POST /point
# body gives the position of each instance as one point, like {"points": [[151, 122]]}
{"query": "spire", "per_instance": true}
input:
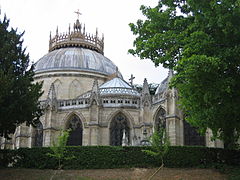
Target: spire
{"points": [[69, 29], [146, 97], [52, 98], [57, 31], [84, 29], [145, 89], [52, 93], [170, 74], [95, 93], [102, 37], [50, 36], [96, 32], [95, 86]]}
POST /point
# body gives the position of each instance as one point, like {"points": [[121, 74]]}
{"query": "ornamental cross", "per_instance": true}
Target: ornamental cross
{"points": [[131, 79], [78, 13]]}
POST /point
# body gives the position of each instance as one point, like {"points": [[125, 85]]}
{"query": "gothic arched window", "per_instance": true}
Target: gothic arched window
{"points": [[118, 129], [38, 140], [160, 120], [75, 135], [74, 89], [191, 136], [57, 84]]}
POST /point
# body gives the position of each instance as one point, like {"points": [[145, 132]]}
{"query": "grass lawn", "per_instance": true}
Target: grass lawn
{"points": [[111, 174]]}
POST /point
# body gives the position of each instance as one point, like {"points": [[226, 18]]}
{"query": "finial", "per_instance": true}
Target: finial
{"points": [[145, 89], [102, 37], [50, 36], [84, 29], [96, 32], [69, 29], [78, 13], [57, 31]]}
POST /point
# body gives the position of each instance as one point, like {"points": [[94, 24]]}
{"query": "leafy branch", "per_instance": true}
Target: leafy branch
{"points": [[59, 148], [159, 147]]}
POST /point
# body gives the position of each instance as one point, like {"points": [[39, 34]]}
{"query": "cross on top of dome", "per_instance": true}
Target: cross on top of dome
{"points": [[78, 13]]}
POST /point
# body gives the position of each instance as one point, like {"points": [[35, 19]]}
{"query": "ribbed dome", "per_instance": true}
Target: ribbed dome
{"points": [[116, 83], [75, 58], [117, 86]]}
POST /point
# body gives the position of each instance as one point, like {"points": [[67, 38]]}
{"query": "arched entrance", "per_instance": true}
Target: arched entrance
{"points": [[160, 119], [38, 138], [75, 135], [119, 128]]}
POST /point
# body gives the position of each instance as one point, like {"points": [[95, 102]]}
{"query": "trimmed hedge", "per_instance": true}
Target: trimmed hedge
{"points": [[96, 157]]}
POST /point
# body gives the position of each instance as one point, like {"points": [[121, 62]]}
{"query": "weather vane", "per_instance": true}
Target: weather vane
{"points": [[78, 13]]}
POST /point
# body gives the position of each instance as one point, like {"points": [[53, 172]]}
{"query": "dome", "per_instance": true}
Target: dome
{"points": [[75, 58], [116, 83], [162, 87], [117, 86]]}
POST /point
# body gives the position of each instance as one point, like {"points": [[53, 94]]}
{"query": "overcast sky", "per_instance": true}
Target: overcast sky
{"points": [[38, 17]]}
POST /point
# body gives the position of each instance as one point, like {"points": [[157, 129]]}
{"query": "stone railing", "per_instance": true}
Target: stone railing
{"points": [[106, 102], [120, 102], [81, 103]]}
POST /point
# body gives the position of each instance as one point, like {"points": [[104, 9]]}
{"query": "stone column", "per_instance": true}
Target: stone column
{"points": [[86, 136], [174, 119], [21, 136], [94, 134]]}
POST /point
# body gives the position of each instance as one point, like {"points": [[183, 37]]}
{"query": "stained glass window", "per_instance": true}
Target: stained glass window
{"points": [[118, 124], [75, 135], [160, 120], [38, 142]]}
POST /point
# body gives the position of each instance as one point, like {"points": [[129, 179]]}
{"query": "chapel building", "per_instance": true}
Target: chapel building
{"points": [[84, 91]]}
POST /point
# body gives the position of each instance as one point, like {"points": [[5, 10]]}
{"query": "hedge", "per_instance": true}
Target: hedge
{"points": [[96, 157]]}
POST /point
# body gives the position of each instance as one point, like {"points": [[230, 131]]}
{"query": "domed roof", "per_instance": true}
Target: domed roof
{"points": [[75, 58], [117, 86], [162, 87], [115, 83]]}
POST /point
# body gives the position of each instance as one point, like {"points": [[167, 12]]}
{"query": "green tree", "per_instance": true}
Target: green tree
{"points": [[59, 148], [18, 94], [159, 147], [200, 40]]}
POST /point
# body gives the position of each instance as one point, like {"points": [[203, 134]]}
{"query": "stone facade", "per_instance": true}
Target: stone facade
{"points": [[84, 91]]}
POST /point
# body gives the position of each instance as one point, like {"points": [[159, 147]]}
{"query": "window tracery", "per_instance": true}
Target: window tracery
{"points": [[119, 125], [75, 135], [38, 141]]}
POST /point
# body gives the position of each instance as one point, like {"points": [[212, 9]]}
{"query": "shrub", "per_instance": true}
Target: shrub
{"points": [[96, 157]]}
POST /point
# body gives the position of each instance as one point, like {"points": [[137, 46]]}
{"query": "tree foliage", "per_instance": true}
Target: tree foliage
{"points": [[18, 94], [159, 146], [59, 149], [200, 40]]}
